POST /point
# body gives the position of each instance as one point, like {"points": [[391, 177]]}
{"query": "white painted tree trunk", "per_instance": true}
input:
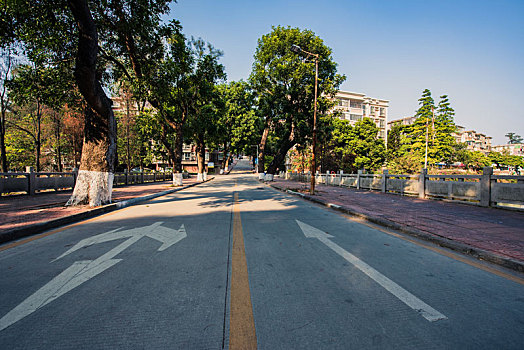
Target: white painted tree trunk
{"points": [[178, 179], [204, 176], [94, 187]]}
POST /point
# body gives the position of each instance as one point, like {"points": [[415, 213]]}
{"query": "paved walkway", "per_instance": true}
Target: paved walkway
{"points": [[21, 211], [496, 231]]}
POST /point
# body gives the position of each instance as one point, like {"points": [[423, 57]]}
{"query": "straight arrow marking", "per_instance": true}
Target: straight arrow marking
{"points": [[403, 295]]}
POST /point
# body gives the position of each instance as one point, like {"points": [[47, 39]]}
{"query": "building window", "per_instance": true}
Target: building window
{"points": [[355, 104], [355, 117]]}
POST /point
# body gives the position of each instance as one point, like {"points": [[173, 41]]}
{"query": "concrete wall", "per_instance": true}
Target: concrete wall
{"points": [[32, 183], [484, 190]]}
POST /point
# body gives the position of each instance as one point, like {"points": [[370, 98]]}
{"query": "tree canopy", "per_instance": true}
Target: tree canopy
{"points": [[285, 82]]}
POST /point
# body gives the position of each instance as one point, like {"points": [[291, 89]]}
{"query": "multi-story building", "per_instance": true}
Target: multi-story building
{"points": [[402, 121], [459, 131], [513, 149], [476, 141], [355, 106]]}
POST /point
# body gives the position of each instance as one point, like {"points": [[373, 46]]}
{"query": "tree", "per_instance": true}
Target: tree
{"points": [[358, 147], [394, 141], [207, 105], [38, 91], [472, 159], [55, 33], [7, 51], [239, 126], [284, 83], [444, 127], [513, 138], [434, 126]]}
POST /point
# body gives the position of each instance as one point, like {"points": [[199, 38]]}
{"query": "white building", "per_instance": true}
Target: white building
{"points": [[513, 149], [354, 106]]}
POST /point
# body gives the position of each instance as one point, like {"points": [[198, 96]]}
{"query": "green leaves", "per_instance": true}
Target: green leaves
{"points": [[284, 82], [357, 147], [434, 123]]}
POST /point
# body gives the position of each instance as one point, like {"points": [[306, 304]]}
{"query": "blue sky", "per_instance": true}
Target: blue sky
{"points": [[471, 50]]}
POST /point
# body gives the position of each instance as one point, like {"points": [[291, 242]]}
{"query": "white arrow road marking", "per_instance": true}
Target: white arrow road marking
{"points": [[403, 295], [82, 271]]}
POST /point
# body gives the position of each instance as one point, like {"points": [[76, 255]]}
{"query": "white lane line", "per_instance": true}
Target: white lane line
{"points": [[403, 295]]}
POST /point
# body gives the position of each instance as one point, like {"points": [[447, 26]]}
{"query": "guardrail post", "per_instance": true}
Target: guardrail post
{"points": [[422, 183], [142, 177], [31, 179], [385, 173], [360, 172], [485, 186]]}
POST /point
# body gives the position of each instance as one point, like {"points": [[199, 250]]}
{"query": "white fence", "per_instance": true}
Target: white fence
{"points": [[484, 190]]}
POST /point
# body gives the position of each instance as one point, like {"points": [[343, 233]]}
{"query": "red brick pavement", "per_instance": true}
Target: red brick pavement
{"points": [[23, 210], [493, 230]]}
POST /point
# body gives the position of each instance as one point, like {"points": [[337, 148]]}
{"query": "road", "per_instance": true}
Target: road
{"points": [[235, 264]]}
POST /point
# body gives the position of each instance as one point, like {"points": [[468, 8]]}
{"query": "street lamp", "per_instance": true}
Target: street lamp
{"points": [[297, 49]]}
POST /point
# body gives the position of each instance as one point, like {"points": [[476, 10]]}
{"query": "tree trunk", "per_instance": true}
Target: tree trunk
{"points": [[179, 145], [3, 107], [95, 178], [38, 136], [3, 154], [201, 157], [285, 146], [225, 158], [128, 142], [261, 147], [58, 135]]}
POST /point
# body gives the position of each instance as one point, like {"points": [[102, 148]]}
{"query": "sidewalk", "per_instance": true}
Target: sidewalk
{"points": [[25, 215], [491, 234]]}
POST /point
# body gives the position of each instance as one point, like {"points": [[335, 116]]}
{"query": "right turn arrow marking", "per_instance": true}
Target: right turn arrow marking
{"points": [[403, 295]]}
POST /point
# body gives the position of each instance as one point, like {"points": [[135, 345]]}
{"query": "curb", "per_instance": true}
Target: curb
{"points": [[436, 239], [34, 229]]}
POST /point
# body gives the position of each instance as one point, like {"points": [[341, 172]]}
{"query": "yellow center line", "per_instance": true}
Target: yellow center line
{"points": [[242, 333]]}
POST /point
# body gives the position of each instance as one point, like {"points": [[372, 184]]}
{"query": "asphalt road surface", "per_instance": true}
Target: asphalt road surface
{"points": [[235, 264]]}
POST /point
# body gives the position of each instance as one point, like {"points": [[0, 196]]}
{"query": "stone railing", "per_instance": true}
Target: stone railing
{"points": [[484, 190], [32, 182]]}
